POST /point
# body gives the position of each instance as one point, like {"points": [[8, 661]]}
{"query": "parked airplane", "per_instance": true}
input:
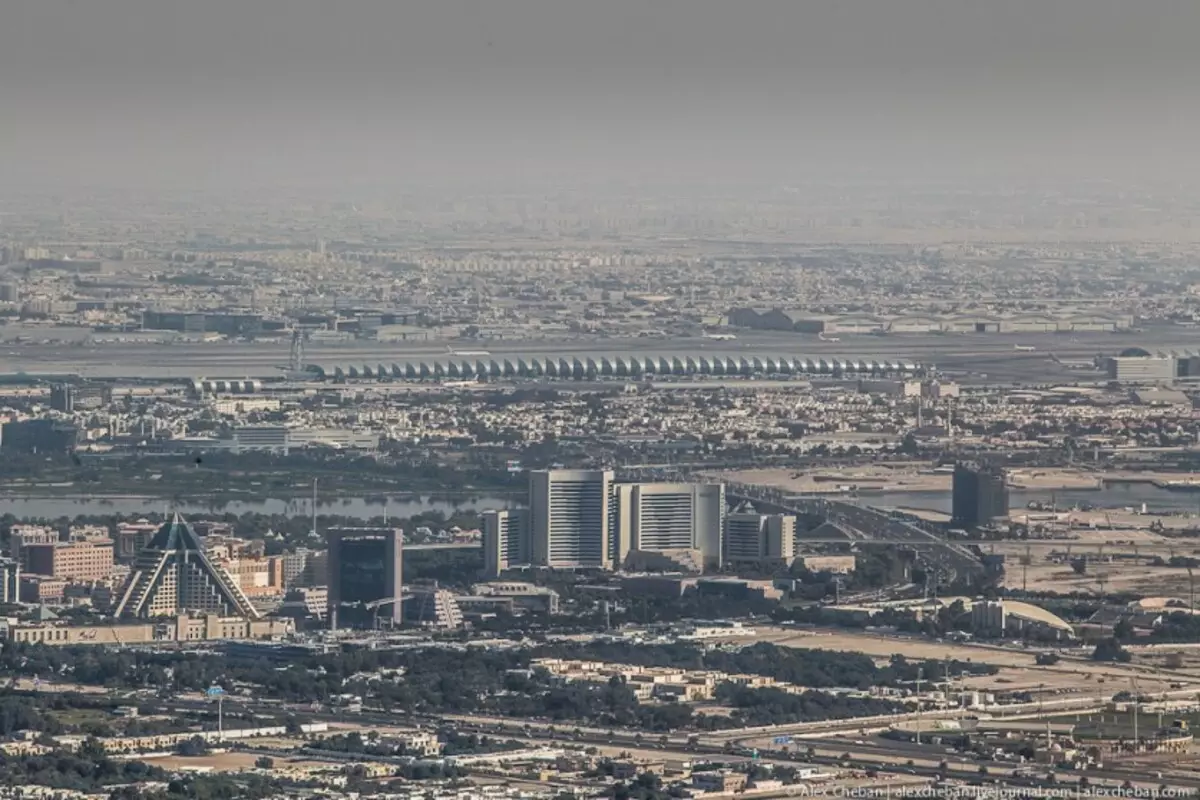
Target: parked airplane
{"points": [[1024, 348], [453, 352], [825, 338], [721, 337]]}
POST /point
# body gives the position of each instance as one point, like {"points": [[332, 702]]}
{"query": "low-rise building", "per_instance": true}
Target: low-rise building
{"points": [[838, 565], [719, 781], [525, 596], [42, 589], [420, 743], [183, 628]]}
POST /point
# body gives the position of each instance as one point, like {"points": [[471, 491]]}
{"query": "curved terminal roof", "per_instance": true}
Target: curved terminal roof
{"points": [[630, 365], [1037, 614], [1025, 610]]}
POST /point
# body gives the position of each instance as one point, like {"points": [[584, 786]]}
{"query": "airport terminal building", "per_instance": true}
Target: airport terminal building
{"points": [[568, 367]]}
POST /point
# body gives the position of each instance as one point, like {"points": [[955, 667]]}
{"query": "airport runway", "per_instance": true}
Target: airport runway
{"points": [[992, 354]]}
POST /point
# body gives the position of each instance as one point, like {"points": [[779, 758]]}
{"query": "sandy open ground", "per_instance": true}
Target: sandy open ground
{"points": [[902, 478], [214, 762], [1141, 579]]}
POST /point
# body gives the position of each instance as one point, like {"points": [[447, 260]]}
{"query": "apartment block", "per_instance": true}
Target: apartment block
{"points": [[80, 561]]}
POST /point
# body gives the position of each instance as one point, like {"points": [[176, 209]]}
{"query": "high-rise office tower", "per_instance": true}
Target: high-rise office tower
{"points": [[505, 540], [660, 517], [366, 570], [980, 494], [569, 518], [754, 537]]}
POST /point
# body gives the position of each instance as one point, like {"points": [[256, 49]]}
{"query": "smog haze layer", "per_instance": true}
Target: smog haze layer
{"points": [[634, 92]]}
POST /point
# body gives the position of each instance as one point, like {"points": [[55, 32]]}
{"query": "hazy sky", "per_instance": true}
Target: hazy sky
{"points": [[389, 91]]}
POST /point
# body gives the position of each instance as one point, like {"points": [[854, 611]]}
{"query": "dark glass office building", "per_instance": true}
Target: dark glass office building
{"points": [[980, 494], [62, 397], [365, 566]]}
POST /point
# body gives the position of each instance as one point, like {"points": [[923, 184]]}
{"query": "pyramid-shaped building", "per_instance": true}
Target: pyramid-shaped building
{"points": [[173, 575]]}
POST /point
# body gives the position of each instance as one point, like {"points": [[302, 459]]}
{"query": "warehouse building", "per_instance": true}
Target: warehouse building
{"points": [[1138, 366]]}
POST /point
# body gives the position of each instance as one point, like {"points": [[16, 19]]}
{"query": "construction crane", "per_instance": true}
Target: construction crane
{"points": [[375, 605]]}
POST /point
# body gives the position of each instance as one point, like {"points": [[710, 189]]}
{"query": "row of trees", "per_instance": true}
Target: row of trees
{"points": [[473, 680], [755, 707], [812, 668], [203, 787], [89, 770]]}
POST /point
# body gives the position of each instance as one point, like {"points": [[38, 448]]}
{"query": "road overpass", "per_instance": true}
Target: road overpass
{"points": [[866, 524]]}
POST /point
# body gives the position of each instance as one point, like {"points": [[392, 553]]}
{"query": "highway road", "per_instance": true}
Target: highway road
{"points": [[884, 756], [975, 353], [864, 523], [828, 749]]}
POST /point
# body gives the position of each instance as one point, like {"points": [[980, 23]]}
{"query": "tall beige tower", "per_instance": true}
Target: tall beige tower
{"points": [[665, 517], [754, 537], [505, 540], [569, 518]]}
